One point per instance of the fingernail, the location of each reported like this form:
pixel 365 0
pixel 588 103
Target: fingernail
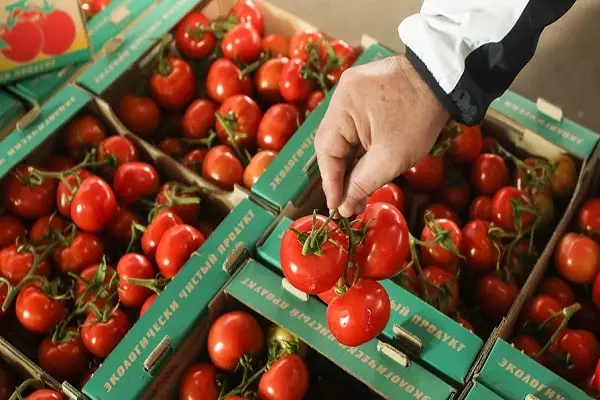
pixel 346 210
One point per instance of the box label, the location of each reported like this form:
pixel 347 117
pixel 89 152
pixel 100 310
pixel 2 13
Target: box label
pixel 10 109
pixel 260 289
pixel 514 375
pixel 176 310
pixel 480 392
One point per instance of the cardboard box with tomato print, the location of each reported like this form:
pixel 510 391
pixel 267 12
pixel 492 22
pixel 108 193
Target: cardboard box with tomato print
pixel 40 36
pixel 11 109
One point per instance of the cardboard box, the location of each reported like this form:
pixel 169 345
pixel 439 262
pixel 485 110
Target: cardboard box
pixel 41 36
pixel 11 109
pixel 477 391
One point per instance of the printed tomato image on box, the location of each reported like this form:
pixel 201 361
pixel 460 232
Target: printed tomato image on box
pixel 40 35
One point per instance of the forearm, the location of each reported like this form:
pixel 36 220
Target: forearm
pixel 470 51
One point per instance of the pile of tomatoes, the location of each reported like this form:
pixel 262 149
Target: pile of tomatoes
pixel 36 390
pixel 230 84
pixel 471 271
pixel 88 240
pixel 560 325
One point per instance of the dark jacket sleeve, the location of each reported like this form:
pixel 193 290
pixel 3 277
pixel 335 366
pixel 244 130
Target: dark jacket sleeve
pixel 470 51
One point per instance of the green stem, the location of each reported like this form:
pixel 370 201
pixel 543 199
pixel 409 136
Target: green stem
pixel 417 265
pixel 27 384
pixel 232 138
pixel 567 313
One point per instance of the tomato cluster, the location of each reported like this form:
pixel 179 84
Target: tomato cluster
pixel 93 7
pixel 35 388
pixel 88 240
pixel 231 97
pixel 560 325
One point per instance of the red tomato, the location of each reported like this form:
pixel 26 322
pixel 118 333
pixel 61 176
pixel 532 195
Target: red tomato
pixel 172 147
pixel 522 260
pixel 100 283
pixel 93 205
pixel 65 361
pixel 241 44
pixel 45 394
pixel 466 147
pixel 27 200
pixel 527 345
pixel 11 228
pixel 134 266
pixel 24 41
pixel 540 308
pixel 206 228
pixel 300 41
pixel 58 30
pixel 119 228
pixel 139 114
pixel 277 45
pixel 59 163
pixel 277 126
pixel 82 134
pixel 346 57
pixel 247 13
pixel 495 296
pixel 267 79
pixel 564 176
pixel 156 230
pixel 389 193
pixel 194 160
pixel 332 293
pixel 231 336
pixel 427 175
pixel 148 303
pixel 193 36
pixel 360 314
pixel 312 273
pixel 134 180
pixel 67 187
pixel 37 312
pixel 222 167
pixel 245 116
pixel 489 144
pixel 199 382
pixel 188 210
pixel 121 149
pixel 314 99
pixel 441 211
pixel 438 278
pixel 589 218
pixel 257 166
pixel 504 212
pixel 293 86
pixel 173 84
pixel 15 265
pixel 101 337
pixel 83 250
pixel 175 248
pixel 481 208
pixel 587 318
pixel 488 173
pixel 198 119
pixel 465 323
pixel 558 289
pixel 577 352
pixel 439 252
pixel 454 191
pixel 577 258
pixel 286 379
pixel 6 382
pixel 477 248
pixel 224 80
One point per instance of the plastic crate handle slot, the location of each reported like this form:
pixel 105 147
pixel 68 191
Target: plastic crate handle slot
pixel 405 336
pixel 287 286
pixel 311 166
pixel 29 118
pixel 159 352
pixel 551 110
pixel 235 258
pixel 531 397
pixel 394 354
pixel 113 44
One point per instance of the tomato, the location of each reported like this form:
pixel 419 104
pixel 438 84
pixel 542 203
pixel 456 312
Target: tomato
pixel 24 40
pixel 139 114
pixel 93 205
pixel 283 337
pixel 505 213
pixel 206 228
pixel 540 308
pixel 454 191
pixel 328 296
pixel 577 258
pixel 157 228
pixel 346 56
pixel 148 303
pixel 45 394
pixel 59 163
pixel 441 211
pixel 257 166
pixel 488 173
pixel 277 126
pixel 134 266
pixel 83 249
pixel 65 361
pixel 587 318
pixel 495 296
pixel 37 312
pixel 360 314
pixel 241 44
pixel 231 336
pixel 247 13
pixel 267 79
pixel 439 252
pixel 527 345
pixel 442 288
pixel 58 30
pixel 172 147
pixel 300 41
pixel 426 175
pixel 276 45
pixel 577 352
pixel 173 84
pixel 466 146
pixel 522 260
pixel 134 180
pixel 82 134
pixel 389 193
pixel 194 160
pixel 198 119
pixel 95 6
pixel 194 37
pixel 175 248
pixel 189 210
pixel 293 86
pixel 6 382
pixel 480 254
pixel 222 167
pixel 27 200
pixel 558 289
pixel 11 228
pixel 119 228
pixel 314 99
pixel 101 337
pixel 66 190
pixel 481 208
pixel 588 219
pixel 121 149
pixel 199 382
pixel 286 379
pixel 15 265
pixel 100 283
pixel 465 323
pixel 529 176
pixel 224 80
pixel 312 273
pixel 245 116
pixel 564 177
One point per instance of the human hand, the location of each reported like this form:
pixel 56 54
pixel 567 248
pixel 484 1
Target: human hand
pixel 384 116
